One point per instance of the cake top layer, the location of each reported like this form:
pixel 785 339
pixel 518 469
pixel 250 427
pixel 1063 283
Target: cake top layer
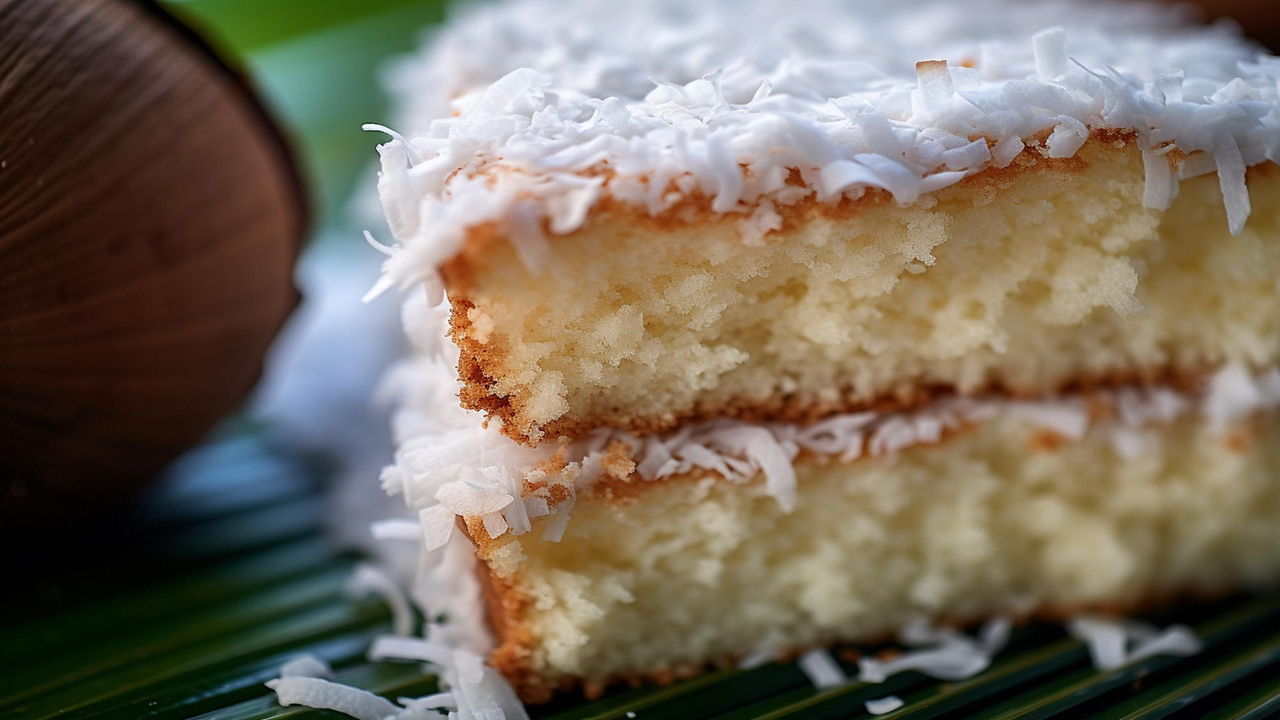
pixel 526 113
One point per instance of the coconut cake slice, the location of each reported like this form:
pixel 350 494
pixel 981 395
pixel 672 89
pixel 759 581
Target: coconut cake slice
pixel 745 331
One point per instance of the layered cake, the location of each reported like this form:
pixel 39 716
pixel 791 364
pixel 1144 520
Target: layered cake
pixel 742 330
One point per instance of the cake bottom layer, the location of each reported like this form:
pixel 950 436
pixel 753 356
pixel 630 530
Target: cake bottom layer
pixel 657 579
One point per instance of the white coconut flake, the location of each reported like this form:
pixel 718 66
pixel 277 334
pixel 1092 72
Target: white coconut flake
pixel 480 691
pixel 367 579
pixel 1105 639
pixel 324 695
pixel 935 90
pixel 397 529
pixel 436 525
pixel 495 524
pixel 554 530
pixel 306 665
pixel 1231 167
pixel 757 658
pixel 1160 185
pixel 1068 417
pixel 945 654
pixel 1050 48
pixel 821 669
pixel 1114 643
pixel 1068 137
pixel 446 589
pixel 1006 150
pixel 1234 394
pixel 995 635
pixel 445 700
pixel 468 499
pixel 1176 640
pixel 406 648
pixel 884 705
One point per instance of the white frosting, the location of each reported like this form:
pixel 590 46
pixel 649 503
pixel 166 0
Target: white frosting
pixel 723 98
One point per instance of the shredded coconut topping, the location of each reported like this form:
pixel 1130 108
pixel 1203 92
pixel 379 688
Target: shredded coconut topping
pixel 526 113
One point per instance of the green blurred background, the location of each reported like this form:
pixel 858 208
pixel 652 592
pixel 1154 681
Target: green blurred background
pixel 316 62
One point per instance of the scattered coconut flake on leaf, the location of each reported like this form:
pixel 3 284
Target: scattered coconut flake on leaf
pixel 480 691
pixel 407 648
pixel 1115 643
pixel 756 659
pixel 306 665
pixel 881 706
pixel 945 654
pixel 429 707
pixel 995 635
pixel 821 669
pixel 368 579
pixel 474 691
pixel 444 700
pixel 1176 640
pixel 324 695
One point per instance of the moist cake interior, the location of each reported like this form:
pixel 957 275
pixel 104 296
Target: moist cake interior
pixel 1044 276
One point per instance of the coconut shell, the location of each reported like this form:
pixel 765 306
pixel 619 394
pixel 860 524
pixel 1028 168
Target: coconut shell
pixel 150 216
